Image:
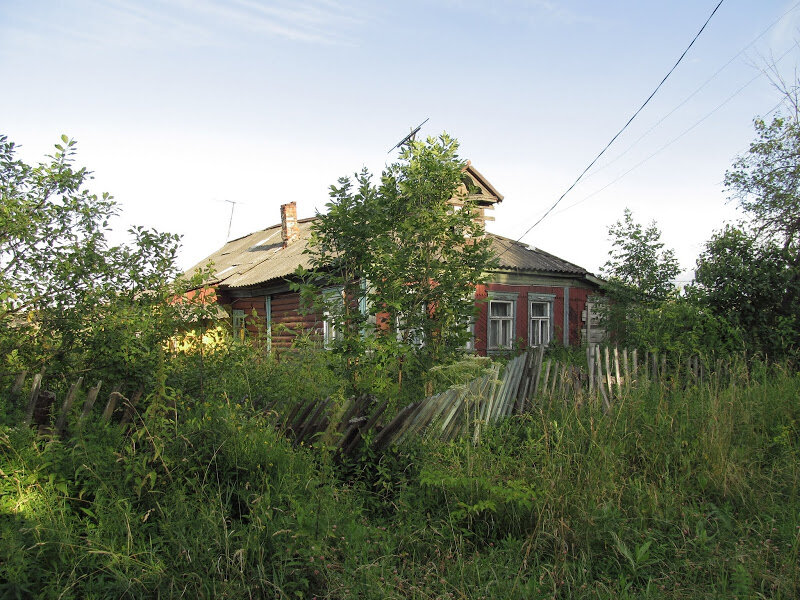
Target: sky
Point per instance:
(179, 106)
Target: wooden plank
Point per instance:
(16, 388)
(67, 406)
(616, 370)
(310, 427)
(626, 368)
(114, 399)
(387, 434)
(546, 377)
(608, 373)
(589, 368)
(34, 395)
(523, 382)
(600, 386)
(90, 400)
(130, 407)
(537, 374)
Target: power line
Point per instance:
(685, 132)
(608, 145)
(697, 91)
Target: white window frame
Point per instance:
(548, 300)
(329, 333)
(239, 323)
(509, 298)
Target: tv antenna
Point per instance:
(409, 137)
(230, 221)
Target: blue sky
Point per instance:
(178, 105)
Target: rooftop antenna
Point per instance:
(230, 221)
(410, 137)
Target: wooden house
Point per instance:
(531, 298)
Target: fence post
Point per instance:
(90, 399)
(16, 388)
(35, 388)
(65, 408)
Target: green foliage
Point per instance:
(679, 493)
(746, 281)
(640, 270)
(749, 275)
(400, 250)
(640, 290)
(69, 299)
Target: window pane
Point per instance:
(500, 309)
(538, 309)
(494, 333)
(505, 338)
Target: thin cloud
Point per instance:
(531, 11)
(129, 23)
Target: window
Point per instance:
(238, 324)
(333, 296)
(540, 319)
(501, 324)
(539, 330)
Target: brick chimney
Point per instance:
(290, 230)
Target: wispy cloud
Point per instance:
(531, 11)
(155, 23)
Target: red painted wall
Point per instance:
(577, 304)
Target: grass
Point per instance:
(676, 493)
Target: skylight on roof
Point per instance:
(265, 240)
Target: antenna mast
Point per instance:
(230, 221)
(410, 137)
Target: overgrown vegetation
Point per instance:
(395, 268)
(684, 493)
(687, 490)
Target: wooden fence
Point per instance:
(41, 405)
(526, 381)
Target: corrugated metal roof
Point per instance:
(517, 256)
(260, 257)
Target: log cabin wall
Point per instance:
(283, 324)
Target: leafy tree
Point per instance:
(405, 251)
(749, 274)
(743, 278)
(68, 299)
(639, 270)
(639, 281)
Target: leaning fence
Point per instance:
(524, 383)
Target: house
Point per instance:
(531, 298)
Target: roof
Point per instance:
(516, 256)
(260, 257)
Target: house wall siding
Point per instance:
(577, 297)
(287, 320)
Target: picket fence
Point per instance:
(525, 382)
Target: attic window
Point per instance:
(472, 189)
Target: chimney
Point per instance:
(290, 230)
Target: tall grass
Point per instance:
(676, 492)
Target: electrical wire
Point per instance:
(613, 139)
(695, 92)
(685, 132)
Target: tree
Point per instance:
(403, 250)
(68, 299)
(743, 279)
(639, 270)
